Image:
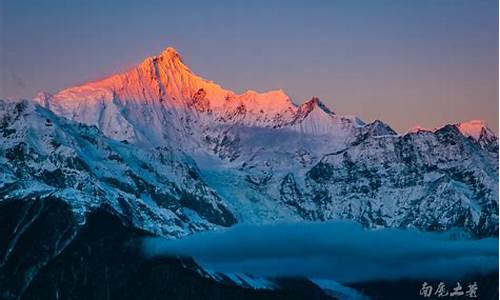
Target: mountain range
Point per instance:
(169, 153)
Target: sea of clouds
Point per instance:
(340, 251)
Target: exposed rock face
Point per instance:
(160, 150)
(423, 180)
(159, 189)
(257, 157)
(49, 253)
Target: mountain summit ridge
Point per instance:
(162, 93)
(267, 159)
(165, 74)
(165, 80)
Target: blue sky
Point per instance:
(427, 62)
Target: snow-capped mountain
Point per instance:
(265, 159)
(427, 180)
(159, 190)
(161, 100)
(478, 130)
(159, 150)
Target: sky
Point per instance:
(406, 62)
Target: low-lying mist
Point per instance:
(341, 251)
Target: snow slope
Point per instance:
(159, 190)
(268, 159)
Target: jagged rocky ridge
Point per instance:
(267, 159)
(159, 190)
(47, 252)
(170, 153)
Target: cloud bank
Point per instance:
(341, 251)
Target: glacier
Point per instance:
(269, 160)
(164, 152)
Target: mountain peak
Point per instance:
(315, 100)
(475, 129)
(170, 53)
(315, 103)
(417, 128)
(169, 58)
(379, 128)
